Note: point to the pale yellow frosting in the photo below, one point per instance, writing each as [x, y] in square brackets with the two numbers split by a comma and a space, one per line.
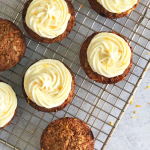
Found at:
[48, 83]
[8, 103]
[108, 54]
[117, 6]
[48, 18]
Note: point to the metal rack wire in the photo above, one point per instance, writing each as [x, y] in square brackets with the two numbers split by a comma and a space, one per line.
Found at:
[94, 103]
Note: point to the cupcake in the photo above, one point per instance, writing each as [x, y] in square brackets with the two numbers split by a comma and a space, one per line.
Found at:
[8, 104]
[48, 85]
[114, 9]
[48, 21]
[67, 134]
[106, 57]
[12, 45]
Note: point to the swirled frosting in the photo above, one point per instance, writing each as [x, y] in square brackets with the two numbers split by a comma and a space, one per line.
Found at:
[108, 54]
[117, 6]
[48, 18]
[8, 103]
[48, 83]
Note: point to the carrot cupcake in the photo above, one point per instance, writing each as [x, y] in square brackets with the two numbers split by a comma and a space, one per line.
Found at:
[12, 44]
[48, 21]
[8, 104]
[114, 9]
[67, 134]
[48, 85]
[106, 57]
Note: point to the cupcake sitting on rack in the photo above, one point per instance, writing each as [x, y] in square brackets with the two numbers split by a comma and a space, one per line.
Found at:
[8, 104]
[106, 57]
[12, 45]
[48, 85]
[67, 134]
[48, 21]
[114, 9]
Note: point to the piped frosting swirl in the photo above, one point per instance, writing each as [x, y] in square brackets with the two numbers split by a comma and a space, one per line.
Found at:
[108, 54]
[117, 6]
[8, 103]
[48, 83]
[48, 18]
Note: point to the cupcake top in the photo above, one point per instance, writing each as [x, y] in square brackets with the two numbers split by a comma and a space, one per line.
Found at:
[108, 54]
[8, 103]
[48, 18]
[48, 83]
[117, 6]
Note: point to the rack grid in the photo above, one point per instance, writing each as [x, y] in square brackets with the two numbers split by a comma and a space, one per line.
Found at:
[94, 103]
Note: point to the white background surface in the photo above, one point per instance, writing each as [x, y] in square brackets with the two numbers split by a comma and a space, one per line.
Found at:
[131, 133]
[134, 133]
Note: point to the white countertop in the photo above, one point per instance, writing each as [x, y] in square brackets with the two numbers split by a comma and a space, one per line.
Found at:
[134, 133]
[131, 133]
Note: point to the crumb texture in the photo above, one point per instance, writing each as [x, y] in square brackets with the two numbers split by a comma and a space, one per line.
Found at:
[12, 45]
[67, 134]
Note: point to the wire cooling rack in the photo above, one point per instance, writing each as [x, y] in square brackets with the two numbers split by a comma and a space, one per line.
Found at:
[96, 104]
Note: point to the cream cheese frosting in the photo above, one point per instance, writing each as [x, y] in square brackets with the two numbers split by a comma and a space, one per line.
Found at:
[117, 6]
[48, 18]
[8, 103]
[48, 83]
[108, 54]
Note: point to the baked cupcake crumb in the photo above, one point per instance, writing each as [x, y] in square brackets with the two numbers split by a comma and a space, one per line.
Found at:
[67, 133]
[12, 45]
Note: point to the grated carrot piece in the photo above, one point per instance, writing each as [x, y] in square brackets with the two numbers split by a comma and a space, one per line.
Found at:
[35, 13]
[107, 38]
[53, 18]
[66, 127]
[138, 106]
[120, 51]
[111, 123]
[124, 63]
[45, 65]
[60, 87]
[32, 131]
[5, 112]
[29, 97]
[131, 102]
[81, 6]
[147, 87]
